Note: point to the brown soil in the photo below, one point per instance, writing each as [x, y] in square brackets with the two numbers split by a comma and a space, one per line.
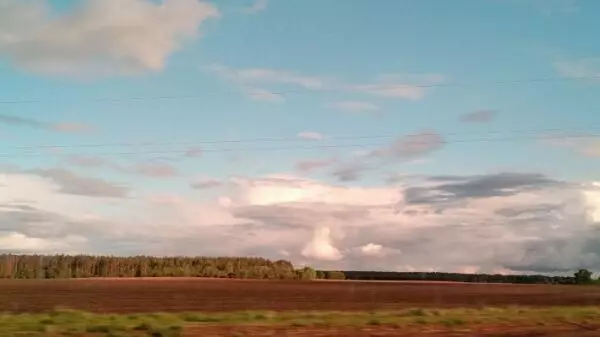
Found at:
[389, 331]
[152, 295]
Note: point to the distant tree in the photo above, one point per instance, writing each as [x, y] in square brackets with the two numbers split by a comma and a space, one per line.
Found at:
[583, 276]
[335, 275]
[306, 273]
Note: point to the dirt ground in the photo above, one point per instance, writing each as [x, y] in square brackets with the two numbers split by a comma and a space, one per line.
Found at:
[389, 331]
[172, 295]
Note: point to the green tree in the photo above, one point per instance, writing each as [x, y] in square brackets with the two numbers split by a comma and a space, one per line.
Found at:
[583, 276]
[306, 273]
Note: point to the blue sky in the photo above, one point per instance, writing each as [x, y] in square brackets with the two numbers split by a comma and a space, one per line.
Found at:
[375, 93]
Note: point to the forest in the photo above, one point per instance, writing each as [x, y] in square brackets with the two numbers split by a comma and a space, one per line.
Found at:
[86, 266]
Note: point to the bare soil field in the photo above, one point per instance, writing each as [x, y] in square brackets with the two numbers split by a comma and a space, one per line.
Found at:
[390, 331]
[177, 295]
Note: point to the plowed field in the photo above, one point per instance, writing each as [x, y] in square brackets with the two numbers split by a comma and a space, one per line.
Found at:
[172, 295]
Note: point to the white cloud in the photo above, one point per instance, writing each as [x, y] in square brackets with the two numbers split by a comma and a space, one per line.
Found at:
[321, 247]
[311, 135]
[504, 221]
[371, 249]
[98, 37]
[17, 242]
[355, 106]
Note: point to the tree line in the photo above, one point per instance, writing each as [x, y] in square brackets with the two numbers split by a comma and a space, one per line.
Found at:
[582, 276]
[83, 266]
[86, 266]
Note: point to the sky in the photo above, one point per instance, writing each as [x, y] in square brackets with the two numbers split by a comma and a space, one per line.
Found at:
[402, 135]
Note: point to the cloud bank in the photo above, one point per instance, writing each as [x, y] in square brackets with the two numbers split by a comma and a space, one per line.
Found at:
[506, 221]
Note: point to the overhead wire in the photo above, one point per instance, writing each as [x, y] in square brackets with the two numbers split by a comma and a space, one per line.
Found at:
[283, 139]
[310, 147]
[297, 91]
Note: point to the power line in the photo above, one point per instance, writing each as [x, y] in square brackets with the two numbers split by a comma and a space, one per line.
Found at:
[313, 147]
[297, 91]
[284, 139]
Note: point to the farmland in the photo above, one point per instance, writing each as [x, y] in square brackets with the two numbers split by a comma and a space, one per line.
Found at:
[332, 306]
[189, 294]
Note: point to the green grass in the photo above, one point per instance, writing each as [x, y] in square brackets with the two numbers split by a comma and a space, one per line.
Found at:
[77, 323]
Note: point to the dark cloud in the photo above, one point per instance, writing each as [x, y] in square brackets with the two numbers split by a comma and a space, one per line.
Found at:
[348, 173]
[411, 146]
[456, 188]
[71, 183]
[480, 116]
[36, 124]
[558, 255]
[533, 210]
[310, 165]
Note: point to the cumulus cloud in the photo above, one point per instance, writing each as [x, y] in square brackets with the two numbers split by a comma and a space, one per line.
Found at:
[479, 116]
[504, 221]
[64, 127]
[321, 247]
[98, 37]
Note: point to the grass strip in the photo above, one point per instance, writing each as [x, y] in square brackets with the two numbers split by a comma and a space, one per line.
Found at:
[63, 322]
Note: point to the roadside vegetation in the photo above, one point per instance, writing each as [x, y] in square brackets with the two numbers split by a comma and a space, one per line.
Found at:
[78, 323]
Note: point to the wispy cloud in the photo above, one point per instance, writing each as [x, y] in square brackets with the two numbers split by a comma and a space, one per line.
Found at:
[584, 146]
[410, 146]
[194, 152]
[578, 68]
[354, 106]
[249, 76]
[479, 116]
[311, 135]
[411, 87]
[313, 164]
[71, 183]
[257, 6]
[156, 169]
[41, 125]
[259, 94]
[206, 184]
